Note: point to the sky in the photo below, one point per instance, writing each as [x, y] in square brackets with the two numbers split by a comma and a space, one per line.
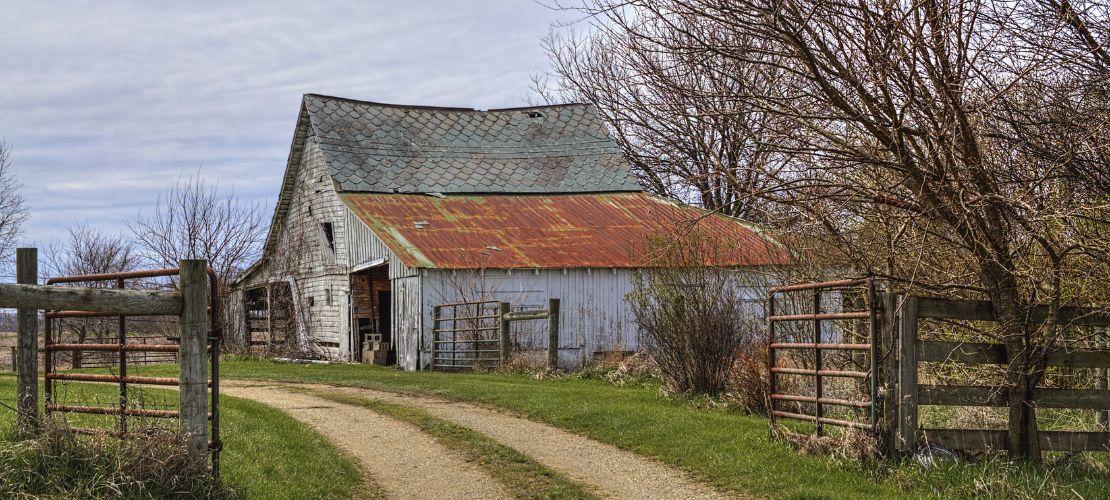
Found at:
[106, 104]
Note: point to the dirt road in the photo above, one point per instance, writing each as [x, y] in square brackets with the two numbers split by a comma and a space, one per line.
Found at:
[402, 460]
[613, 472]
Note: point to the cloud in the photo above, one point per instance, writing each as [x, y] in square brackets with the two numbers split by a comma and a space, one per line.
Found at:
[106, 104]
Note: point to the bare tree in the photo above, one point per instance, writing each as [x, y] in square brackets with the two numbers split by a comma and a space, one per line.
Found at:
[195, 220]
[90, 250]
[13, 212]
[676, 114]
[956, 145]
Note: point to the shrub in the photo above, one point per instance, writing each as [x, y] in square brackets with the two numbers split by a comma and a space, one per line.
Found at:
[693, 317]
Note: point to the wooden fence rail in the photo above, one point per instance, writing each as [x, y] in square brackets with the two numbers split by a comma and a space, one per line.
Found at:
[913, 394]
[898, 353]
[190, 304]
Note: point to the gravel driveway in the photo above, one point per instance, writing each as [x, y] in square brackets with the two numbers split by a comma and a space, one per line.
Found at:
[402, 459]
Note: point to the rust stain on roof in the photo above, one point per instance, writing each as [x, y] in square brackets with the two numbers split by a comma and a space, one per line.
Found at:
[545, 231]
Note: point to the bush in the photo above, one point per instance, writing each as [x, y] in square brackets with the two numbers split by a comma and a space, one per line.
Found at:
[692, 315]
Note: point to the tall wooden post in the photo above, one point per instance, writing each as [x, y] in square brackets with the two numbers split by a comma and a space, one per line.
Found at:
[504, 339]
[907, 391]
[194, 363]
[553, 334]
[1104, 383]
[819, 387]
[27, 273]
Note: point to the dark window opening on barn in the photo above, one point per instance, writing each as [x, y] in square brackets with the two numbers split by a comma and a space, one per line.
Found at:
[311, 301]
[327, 296]
[327, 241]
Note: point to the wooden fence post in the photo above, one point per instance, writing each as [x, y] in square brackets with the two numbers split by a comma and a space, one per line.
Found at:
[504, 339]
[15, 357]
[907, 391]
[27, 273]
[553, 334]
[1104, 383]
[194, 362]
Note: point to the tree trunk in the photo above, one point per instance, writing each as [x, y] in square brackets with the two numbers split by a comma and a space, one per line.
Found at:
[1021, 380]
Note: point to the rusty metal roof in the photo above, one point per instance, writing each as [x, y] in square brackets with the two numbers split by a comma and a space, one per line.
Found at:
[546, 231]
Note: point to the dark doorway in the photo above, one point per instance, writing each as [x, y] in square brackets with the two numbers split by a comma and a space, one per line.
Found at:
[371, 337]
[385, 309]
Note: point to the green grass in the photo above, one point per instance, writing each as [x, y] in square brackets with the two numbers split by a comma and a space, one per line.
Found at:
[267, 454]
[729, 450]
[520, 475]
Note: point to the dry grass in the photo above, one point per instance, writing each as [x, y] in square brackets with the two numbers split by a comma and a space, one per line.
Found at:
[63, 464]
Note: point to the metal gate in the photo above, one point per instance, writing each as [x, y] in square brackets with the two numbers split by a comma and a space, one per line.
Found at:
[466, 335]
[124, 352]
[820, 306]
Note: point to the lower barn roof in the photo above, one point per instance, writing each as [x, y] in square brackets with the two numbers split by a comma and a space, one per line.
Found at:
[548, 231]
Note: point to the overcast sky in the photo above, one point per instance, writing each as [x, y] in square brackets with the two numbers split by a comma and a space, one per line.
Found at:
[105, 104]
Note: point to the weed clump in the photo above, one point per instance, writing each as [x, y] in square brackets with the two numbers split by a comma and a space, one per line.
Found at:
[60, 463]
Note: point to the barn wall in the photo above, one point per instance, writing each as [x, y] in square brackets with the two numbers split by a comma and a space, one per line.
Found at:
[302, 258]
[594, 314]
[366, 247]
[407, 320]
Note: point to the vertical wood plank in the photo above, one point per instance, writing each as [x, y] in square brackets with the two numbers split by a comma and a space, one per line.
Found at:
[27, 273]
[194, 364]
[907, 407]
[1104, 383]
[553, 334]
[504, 338]
[887, 352]
[772, 385]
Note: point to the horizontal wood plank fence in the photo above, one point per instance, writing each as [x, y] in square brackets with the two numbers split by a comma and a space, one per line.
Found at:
[913, 394]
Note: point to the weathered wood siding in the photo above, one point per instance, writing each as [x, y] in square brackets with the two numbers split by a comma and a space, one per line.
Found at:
[301, 256]
[366, 247]
[595, 315]
[408, 320]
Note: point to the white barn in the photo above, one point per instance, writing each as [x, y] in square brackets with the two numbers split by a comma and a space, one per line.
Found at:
[387, 211]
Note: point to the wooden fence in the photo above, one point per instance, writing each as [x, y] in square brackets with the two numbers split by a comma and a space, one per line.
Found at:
[913, 394]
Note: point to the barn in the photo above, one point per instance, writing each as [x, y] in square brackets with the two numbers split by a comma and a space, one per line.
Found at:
[388, 211]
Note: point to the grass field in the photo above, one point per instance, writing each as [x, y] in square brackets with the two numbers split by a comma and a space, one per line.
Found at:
[267, 453]
[730, 450]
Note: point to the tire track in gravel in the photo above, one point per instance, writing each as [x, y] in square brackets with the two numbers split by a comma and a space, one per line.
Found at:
[403, 461]
[610, 470]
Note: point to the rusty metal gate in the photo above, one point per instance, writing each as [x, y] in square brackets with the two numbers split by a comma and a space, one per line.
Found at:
[121, 349]
[836, 352]
[466, 335]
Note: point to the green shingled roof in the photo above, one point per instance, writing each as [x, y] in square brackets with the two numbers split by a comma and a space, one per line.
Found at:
[383, 148]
